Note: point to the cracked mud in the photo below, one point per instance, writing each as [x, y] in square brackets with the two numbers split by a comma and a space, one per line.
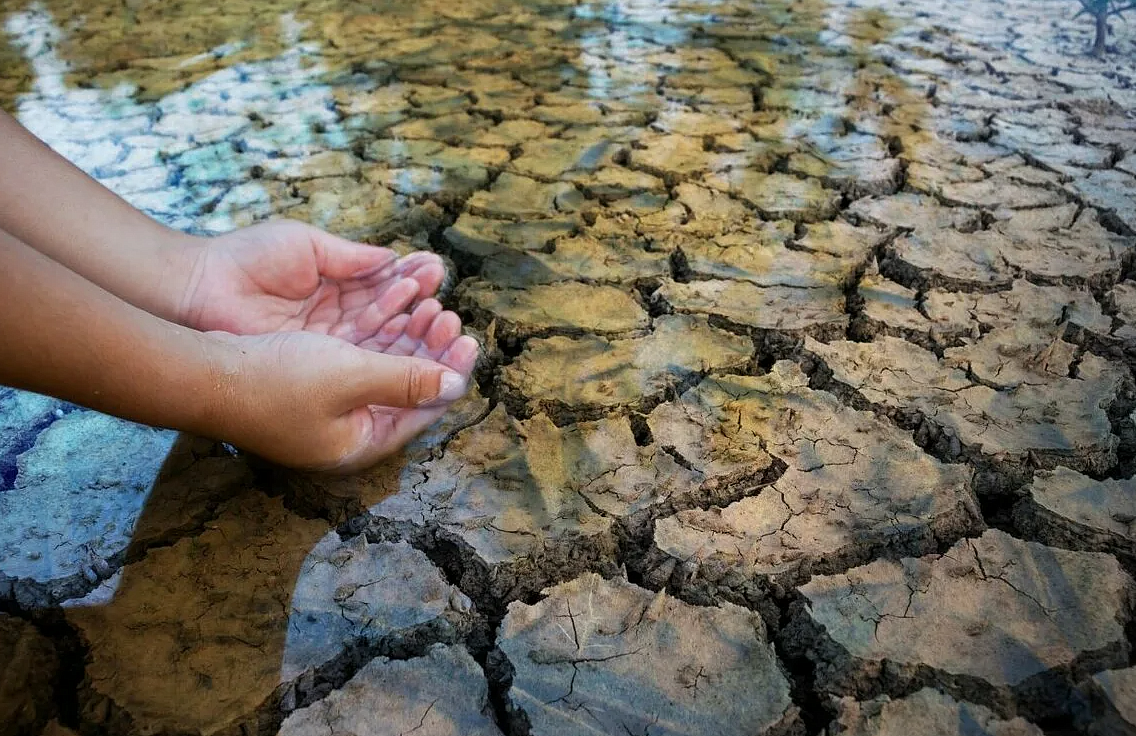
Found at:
[607, 655]
[1024, 622]
[807, 399]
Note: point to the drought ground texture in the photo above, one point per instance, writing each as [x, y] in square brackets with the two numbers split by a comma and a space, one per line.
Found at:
[807, 399]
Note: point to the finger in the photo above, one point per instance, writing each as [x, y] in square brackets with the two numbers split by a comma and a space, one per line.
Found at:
[391, 432]
[445, 329]
[402, 382]
[390, 333]
[461, 356]
[387, 335]
[410, 341]
[338, 258]
[416, 260]
[356, 294]
[403, 345]
[429, 277]
[392, 302]
[405, 266]
[422, 317]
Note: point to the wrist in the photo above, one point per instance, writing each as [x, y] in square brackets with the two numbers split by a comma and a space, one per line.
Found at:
[215, 411]
[182, 260]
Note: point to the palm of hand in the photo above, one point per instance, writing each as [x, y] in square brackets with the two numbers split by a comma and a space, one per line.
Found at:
[285, 277]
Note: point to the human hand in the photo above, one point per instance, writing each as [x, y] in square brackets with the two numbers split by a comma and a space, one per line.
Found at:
[338, 343]
[285, 276]
[319, 403]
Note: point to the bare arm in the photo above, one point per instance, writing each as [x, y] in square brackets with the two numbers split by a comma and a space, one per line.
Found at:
[64, 336]
[298, 398]
[54, 207]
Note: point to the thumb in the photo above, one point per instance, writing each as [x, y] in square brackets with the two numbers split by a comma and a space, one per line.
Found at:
[337, 258]
[396, 381]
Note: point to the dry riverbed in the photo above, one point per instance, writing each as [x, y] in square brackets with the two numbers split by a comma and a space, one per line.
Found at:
[806, 404]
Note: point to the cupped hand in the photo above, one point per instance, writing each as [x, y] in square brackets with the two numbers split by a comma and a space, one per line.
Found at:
[285, 276]
[320, 403]
[335, 353]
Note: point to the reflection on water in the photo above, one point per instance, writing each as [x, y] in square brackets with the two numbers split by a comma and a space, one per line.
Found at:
[175, 158]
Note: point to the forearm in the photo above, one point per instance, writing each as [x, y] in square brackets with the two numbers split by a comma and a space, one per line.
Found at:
[64, 336]
[57, 209]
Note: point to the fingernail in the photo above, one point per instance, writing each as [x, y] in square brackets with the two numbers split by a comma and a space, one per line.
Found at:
[452, 387]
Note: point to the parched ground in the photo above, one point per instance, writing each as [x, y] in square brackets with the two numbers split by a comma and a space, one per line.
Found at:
[807, 399]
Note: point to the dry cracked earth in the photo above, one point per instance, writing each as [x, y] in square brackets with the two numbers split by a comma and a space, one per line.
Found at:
[806, 404]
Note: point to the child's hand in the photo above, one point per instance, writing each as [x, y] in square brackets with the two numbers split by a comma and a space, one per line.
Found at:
[306, 348]
[336, 350]
[285, 276]
[314, 402]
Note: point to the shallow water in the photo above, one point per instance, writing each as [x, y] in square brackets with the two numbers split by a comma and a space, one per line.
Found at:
[183, 112]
